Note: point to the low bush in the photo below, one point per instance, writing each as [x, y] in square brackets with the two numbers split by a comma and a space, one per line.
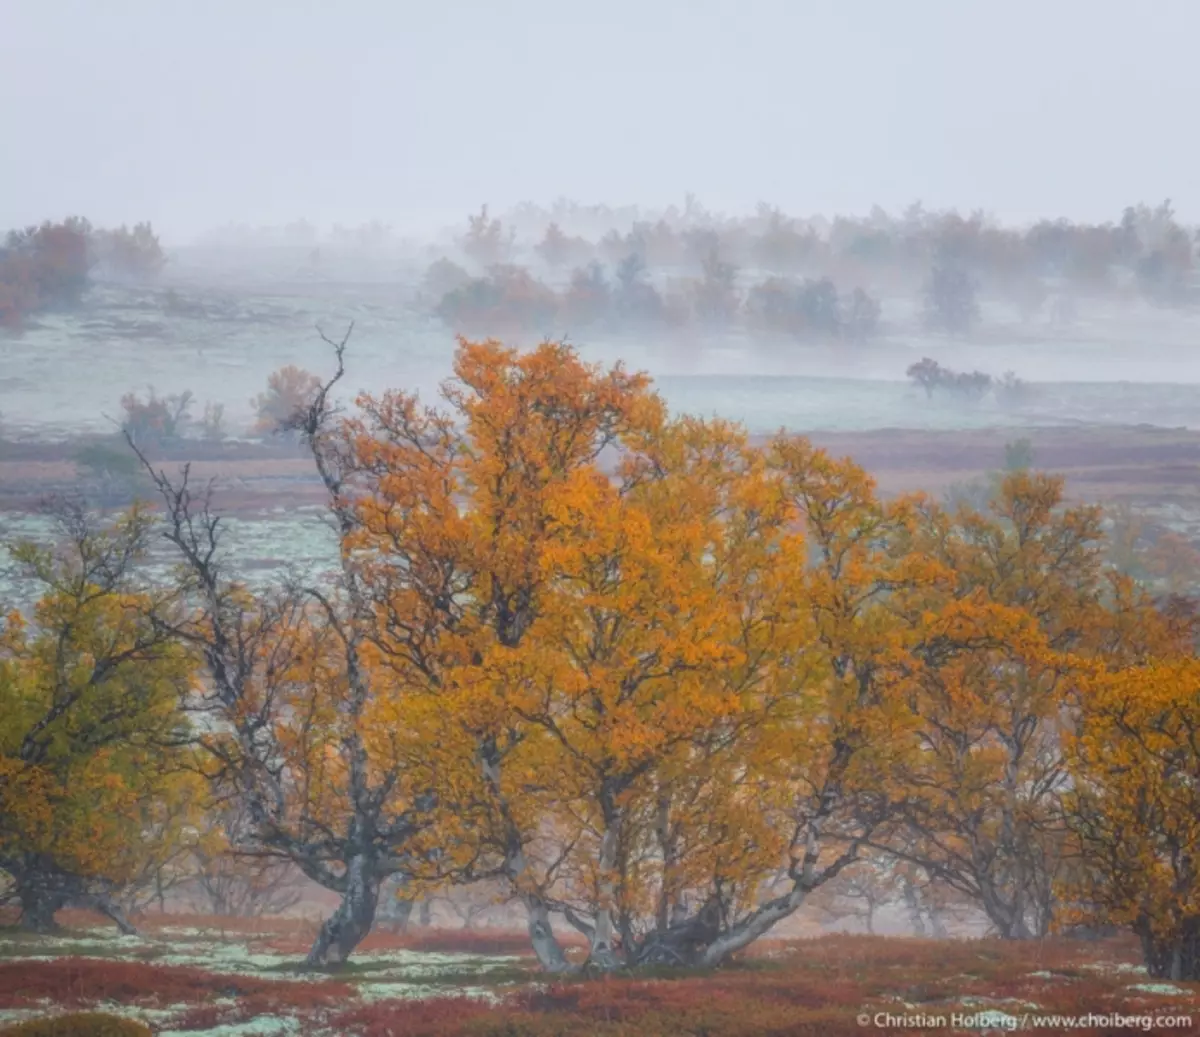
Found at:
[78, 1024]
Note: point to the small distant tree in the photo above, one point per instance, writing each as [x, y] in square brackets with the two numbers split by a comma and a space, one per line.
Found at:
[715, 298]
[510, 298]
[131, 253]
[156, 419]
[860, 319]
[931, 376]
[486, 241]
[1012, 391]
[926, 373]
[589, 296]
[634, 298]
[290, 391]
[819, 308]
[443, 277]
[951, 299]
[558, 250]
[212, 425]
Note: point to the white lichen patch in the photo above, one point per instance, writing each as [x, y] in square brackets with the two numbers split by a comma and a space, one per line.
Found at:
[1159, 988]
[971, 1002]
[230, 957]
[259, 1026]
[1122, 967]
[386, 991]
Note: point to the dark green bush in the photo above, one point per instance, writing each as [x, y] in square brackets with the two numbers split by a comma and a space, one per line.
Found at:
[78, 1024]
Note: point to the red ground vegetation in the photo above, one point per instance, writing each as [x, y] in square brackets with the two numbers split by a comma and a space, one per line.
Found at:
[819, 987]
[76, 982]
[787, 987]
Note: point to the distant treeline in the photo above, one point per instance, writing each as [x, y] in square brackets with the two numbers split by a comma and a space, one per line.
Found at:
[49, 266]
[806, 278]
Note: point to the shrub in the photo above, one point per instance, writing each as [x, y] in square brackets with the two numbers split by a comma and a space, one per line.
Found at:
[78, 1024]
[43, 266]
[290, 390]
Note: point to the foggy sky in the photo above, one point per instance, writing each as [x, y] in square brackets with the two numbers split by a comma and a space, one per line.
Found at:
[195, 114]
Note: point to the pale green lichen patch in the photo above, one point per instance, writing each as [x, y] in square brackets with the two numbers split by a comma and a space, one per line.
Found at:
[1160, 988]
[260, 1026]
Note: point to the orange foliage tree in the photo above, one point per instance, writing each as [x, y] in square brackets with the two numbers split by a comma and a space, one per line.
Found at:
[648, 697]
[290, 390]
[1135, 808]
[987, 683]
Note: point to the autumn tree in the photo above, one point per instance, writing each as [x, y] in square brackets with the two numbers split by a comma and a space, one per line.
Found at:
[1135, 811]
[660, 694]
[323, 748]
[988, 681]
[95, 786]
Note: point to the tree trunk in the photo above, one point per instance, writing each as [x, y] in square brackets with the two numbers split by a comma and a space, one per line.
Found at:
[912, 902]
[753, 926]
[1176, 957]
[106, 905]
[602, 953]
[549, 954]
[346, 927]
[425, 916]
[39, 903]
